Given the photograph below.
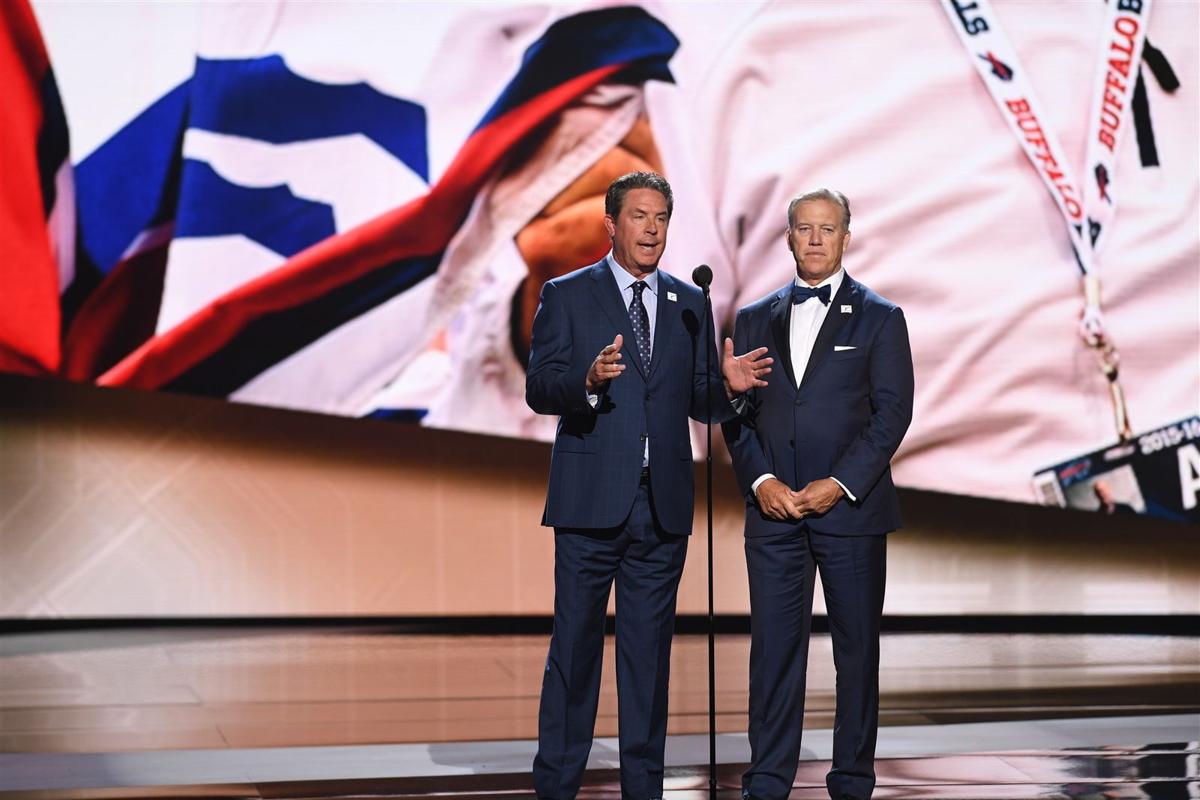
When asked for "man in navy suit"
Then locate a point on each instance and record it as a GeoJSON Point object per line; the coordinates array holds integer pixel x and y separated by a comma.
{"type": "Point", "coordinates": [618, 353]}
{"type": "Point", "coordinates": [812, 453]}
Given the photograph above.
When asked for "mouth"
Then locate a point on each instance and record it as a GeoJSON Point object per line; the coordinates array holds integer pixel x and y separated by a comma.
{"type": "Point", "coordinates": [647, 248]}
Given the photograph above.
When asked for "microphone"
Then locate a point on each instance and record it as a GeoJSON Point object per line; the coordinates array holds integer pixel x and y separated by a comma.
{"type": "Point", "coordinates": [702, 276]}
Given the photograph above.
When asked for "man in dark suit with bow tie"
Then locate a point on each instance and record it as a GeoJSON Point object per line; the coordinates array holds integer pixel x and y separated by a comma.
{"type": "Point", "coordinates": [618, 353]}
{"type": "Point", "coordinates": [812, 453]}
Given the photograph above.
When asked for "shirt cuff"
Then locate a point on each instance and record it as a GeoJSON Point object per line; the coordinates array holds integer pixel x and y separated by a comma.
{"type": "Point", "coordinates": [759, 482]}
{"type": "Point", "coordinates": [849, 493]}
{"type": "Point", "coordinates": [593, 399]}
{"type": "Point", "coordinates": [739, 403]}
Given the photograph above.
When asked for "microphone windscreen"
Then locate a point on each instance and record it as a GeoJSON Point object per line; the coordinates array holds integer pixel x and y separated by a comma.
{"type": "Point", "coordinates": [702, 275]}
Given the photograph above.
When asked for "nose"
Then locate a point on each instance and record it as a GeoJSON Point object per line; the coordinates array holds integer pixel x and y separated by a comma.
{"type": "Point", "coordinates": [814, 236]}
{"type": "Point", "coordinates": [652, 225]}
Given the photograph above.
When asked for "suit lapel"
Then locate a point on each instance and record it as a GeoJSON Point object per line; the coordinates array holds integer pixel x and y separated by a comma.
{"type": "Point", "coordinates": [781, 313]}
{"type": "Point", "coordinates": [608, 297]}
{"type": "Point", "coordinates": [664, 319]}
{"type": "Point", "coordinates": [835, 320]}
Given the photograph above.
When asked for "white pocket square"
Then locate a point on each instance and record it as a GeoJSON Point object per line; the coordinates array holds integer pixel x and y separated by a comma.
{"type": "Point", "coordinates": [837, 348]}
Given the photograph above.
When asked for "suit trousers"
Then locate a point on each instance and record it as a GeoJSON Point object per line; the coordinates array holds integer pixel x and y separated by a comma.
{"type": "Point", "coordinates": [782, 571]}
{"type": "Point", "coordinates": [646, 562]}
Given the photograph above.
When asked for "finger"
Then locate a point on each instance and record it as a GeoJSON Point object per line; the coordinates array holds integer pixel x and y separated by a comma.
{"type": "Point", "coordinates": [753, 355]}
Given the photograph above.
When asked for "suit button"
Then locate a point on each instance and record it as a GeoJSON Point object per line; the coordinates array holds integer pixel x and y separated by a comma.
{"type": "Point", "coordinates": [644, 436]}
{"type": "Point", "coordinates": [647, 397]}
{"type": "Point", "coordinates": [791, 443]}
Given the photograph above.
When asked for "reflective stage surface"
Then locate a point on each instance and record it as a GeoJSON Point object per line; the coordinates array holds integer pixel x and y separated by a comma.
{"type": "Point", "coordinates": [339, 713]}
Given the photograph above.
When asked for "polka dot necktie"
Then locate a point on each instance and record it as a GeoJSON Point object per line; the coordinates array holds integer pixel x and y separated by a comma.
{"type": "Point", "coordinates": [641, 322]}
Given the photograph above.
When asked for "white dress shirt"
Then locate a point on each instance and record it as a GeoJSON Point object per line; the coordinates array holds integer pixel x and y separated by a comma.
{"type": "Point", "coordinates": [804, 324]}
{"type": "Point", "coordinates": [625, 283]}
{"type": "Point", "coordinates": [806, 321]}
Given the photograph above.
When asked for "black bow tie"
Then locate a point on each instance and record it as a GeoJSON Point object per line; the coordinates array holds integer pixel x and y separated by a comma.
{"type": "Point", "coordinates": [802, 293]}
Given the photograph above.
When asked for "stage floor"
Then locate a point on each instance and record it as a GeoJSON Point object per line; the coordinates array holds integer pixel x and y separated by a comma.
{"type": "Point", "coordinates": [236, 712]}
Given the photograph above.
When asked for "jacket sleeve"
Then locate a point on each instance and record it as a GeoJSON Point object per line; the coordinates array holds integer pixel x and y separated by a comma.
{"type": "Point", "coordinates": [557, 376]}
{"type": "Point", "coordinates": [891, 394]}
{"type": "Point", "coordinates": [741, 434]}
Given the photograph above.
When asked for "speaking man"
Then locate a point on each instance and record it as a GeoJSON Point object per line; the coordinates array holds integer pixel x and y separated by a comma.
{"type": "Point", "coordinates": [617, 353]}
{"type": "Point", "coordinates": [811, 454]}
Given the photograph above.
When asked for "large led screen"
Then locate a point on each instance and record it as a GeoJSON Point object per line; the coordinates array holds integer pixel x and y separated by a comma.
{"type": "Point", "coordinates": [350, 208]}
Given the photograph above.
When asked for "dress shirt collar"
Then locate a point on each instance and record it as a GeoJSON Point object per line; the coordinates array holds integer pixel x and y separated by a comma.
{"type": "Point", "coordinates": [625, 280]}
{"type": "Point", "coordinates": [834, 282]}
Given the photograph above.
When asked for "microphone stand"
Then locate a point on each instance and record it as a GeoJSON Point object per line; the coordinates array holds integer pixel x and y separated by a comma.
{"type": "Point", "coordinates": [708, 501]}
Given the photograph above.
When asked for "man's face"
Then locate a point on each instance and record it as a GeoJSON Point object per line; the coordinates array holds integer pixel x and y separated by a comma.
{"type": "Point", "coordinates": [817, 239]}
{"type": "Point", "coordinates": [639, 233]}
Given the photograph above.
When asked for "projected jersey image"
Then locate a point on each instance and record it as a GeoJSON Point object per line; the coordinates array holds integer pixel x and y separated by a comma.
{"type": "Point", "coordinates": [351, 208]}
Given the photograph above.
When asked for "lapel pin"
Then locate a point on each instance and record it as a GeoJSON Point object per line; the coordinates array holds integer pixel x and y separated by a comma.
{"type": "Point", "coordinates": [672, 296]}
{"type": "Point", "coordinates": [846, 309]}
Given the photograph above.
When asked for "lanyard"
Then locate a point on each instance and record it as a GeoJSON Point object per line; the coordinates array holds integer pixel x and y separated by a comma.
{"type": "Point", "coordinates": [1087, 207]}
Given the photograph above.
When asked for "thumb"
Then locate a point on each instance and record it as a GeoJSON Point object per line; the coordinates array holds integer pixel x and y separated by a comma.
{"type": "Point", "coordinates": [618, 340]}
{"type": "Point", "coordinates": [728, 347]}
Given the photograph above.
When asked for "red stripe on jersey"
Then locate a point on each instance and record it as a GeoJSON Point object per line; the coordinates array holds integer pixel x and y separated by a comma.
{"type": "Point", "coordinates": [29, 304]}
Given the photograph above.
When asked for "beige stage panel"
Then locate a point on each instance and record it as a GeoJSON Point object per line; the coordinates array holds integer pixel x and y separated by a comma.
{"type": "Point", "coordinates": [119, 503]}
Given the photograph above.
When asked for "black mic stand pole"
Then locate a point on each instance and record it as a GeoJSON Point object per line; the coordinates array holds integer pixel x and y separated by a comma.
{"type": "Point", "coordinates": [708, 501]}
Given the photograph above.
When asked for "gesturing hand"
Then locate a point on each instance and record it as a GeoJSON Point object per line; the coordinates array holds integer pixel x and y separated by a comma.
{"type": "Point", "coordinates": [745, 372]}
{"type": "Point", "coordinates": [605, 367]}
{"type": "Point", "coordinates": [776, 501]}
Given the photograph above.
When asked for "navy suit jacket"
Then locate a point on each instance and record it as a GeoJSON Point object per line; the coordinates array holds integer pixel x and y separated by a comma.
{"type": "Point", "coordinates": [845, 420]}
{"type": "Point", "coordinates": [596, 461]}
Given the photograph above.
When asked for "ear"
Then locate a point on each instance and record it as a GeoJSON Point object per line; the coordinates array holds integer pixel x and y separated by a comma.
{"type": "Point", "coordinates": [610, 225]}
{"type": "Point", "coordinates": [846, 241]}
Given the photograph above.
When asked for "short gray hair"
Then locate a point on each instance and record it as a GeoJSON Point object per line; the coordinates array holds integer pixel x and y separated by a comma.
{"type": "Point", "coordinates": [614, 198]}
{"type": "Point", "coordinates": [830, 195]}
